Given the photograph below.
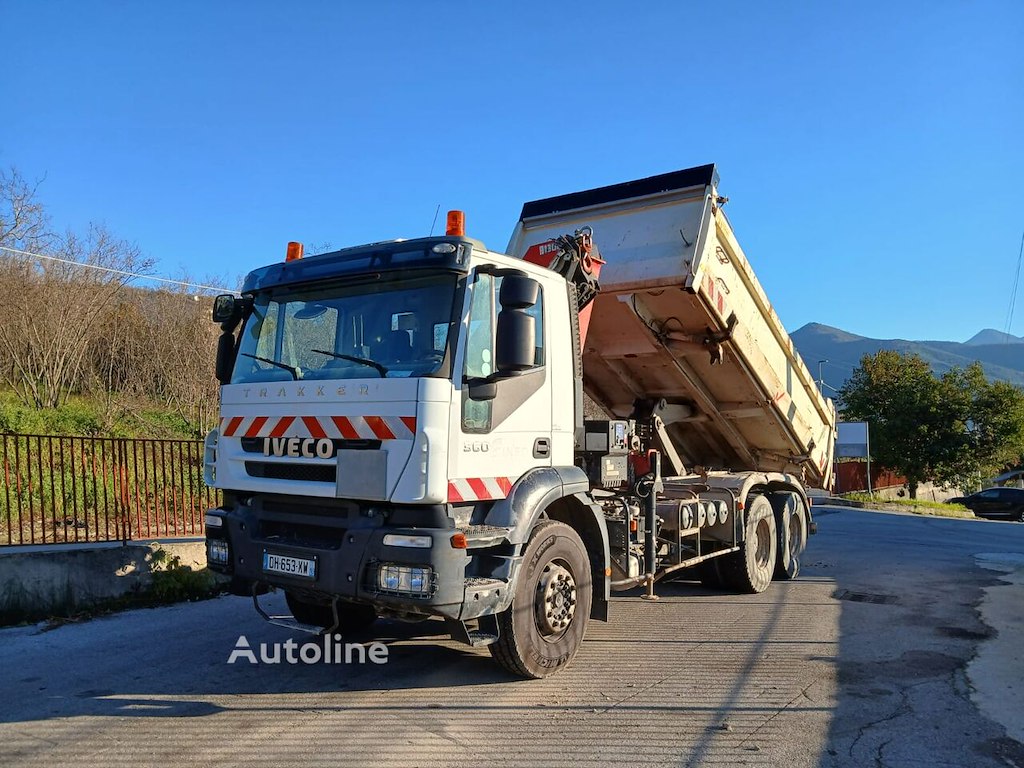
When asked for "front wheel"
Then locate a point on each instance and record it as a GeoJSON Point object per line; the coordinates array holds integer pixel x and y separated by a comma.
{"type": "Point", "coordinates": [543, 628]}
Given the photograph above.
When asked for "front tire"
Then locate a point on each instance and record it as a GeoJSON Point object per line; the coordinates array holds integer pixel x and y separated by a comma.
{"type": "Point", "coordinates": [543, 629]}
{"type": "Point", "coordinates": [750, 569]}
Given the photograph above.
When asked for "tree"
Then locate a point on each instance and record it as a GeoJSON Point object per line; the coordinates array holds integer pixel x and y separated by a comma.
{"type": "Point", "coordinates": [991, 415]}
{"type": "Point", "coordinates": [52, 306]}
{"type": "Point", "coordinates": [946, 429]}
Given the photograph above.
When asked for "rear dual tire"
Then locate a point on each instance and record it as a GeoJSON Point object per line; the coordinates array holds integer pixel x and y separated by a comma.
{"type": "Point", "coordinates": [791, 526]}
{"type": "Point", "coordinates": [752, 567]}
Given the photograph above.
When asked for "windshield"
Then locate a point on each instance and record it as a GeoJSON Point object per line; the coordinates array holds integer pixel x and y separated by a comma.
{"type": "Point", "coordinates": [391, 328]}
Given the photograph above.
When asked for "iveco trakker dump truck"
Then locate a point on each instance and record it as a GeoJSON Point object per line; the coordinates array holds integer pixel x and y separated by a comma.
{"type": "Point", "coordinates": [405, 432]}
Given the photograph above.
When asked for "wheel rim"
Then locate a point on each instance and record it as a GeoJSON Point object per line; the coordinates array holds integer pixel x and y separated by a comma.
{"type": "Point", "coordinates": [795, 535]}
{"type": "Point", "coordinates": [555, 600]}
{"type": "Point", "coordinates": [763, 550]}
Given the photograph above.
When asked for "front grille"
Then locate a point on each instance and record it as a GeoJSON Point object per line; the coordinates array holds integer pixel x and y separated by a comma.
{"type": "Point", "coordinates": [301, 535]}
{"type": "Point", "coordinates": [310, 473]}
{"type": "Point", "coordinates": [316, 507]}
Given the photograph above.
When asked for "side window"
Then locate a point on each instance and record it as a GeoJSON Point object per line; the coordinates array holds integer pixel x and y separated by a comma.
{"type": "Point", "coordinates": [476, 414]}
{"type": "Point", "coordinates": [265, 332]}
{"type": "Point", "coordinates": [483, 312]}
{"type": "Point", "coordinates": [537, 312]}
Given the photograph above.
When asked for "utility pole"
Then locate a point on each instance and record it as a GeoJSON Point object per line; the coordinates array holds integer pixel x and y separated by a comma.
{"type": "Point", "coordinates": [821, 380]}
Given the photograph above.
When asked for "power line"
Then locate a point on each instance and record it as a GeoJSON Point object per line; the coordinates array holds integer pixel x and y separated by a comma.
{"type": "Point", "coordinates": [1013, 295]}
{"type": "Point", "coordinates": [113, 271]}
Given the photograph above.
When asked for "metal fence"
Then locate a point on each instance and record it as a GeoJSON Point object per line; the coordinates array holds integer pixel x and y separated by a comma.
{"type": "Point", "coordinates": [58, 489]}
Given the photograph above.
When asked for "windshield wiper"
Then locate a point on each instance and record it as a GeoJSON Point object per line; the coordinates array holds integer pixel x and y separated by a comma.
{"type": "Point", "coordinates": [293, 370]}
{"type": "Point", "coordinates": [372, 363]}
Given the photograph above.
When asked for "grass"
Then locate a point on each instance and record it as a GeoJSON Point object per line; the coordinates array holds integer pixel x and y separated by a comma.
{"type": "Point", "coordinates": [915, 506]}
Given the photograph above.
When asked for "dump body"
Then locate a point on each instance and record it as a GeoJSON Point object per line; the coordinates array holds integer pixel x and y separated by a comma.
{"type": "Point", "coordinates": [681, 316]}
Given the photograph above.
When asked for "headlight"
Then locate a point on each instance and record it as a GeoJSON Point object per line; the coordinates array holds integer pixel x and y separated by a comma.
{"type": "Point", "coordinates": [218, 552]}
{"type": "Point", "coordinates": [408, 580]}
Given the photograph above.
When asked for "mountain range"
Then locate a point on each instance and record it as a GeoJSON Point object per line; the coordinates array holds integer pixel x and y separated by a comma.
{"type": "Point", "coordinates": [1000, 354]}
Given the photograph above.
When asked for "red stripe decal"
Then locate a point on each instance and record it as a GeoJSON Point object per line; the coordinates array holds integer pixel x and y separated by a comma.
{"type": "Point", "coordinates": [505, 484]}
{"type": "Point", "coordinates": [479, 487]}
{"type": "Point", "coordinates": [453, 493]}
{"type": "Point", "coordinates": [345, 427]}
{"type": "Point", "coordinates": [410, 423]}
{"type": "Point", "coordinates": [234, 424]}
{"type": "Point", "coordinates": [315, 430]}
{"type": "Point", "coordinates": [379, 427]}
{"type": "Point", "coordinates": [256, 426]}
{"type": "Point", "coordinates": [282, 426]}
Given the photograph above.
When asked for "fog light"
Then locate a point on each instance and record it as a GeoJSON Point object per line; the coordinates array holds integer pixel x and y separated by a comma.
{"type": "Point", "coordinates": [214, 521]}
{"type": "Point", "coordinates": [417, 581]}
{"type": "Point", "coordinates": [217, 552]}
{"type": "Point", "coordinates": [403, 540]}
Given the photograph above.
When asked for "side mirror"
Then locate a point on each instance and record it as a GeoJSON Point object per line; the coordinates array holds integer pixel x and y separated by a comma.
{"type": "Point", "coordinates": [230, 310]}
{"type": "Point", "coordinates": [516, 329]}
{"type": "Point", "coordinates": [518, 291]}
{"type": "Point", "coordinates": [224, 308]}
{"type": "Point", "coordinates": [225, 357]}
{"type": "Point", "coordinates": [482, 389]}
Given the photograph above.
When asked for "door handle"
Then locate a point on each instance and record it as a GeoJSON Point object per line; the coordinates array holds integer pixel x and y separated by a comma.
{"type": "Point", "coordinates": [541, 448]}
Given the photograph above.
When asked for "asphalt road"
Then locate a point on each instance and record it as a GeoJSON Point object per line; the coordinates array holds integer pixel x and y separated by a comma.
{"type": "Point", "coordinates": [861, 661]}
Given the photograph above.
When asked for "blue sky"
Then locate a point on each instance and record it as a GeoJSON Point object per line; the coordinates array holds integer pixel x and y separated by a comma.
{"type": "Point", "coordinates": [873, 152]}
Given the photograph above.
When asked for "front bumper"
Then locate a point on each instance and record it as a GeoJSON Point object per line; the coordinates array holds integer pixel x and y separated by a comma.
{"type": "Point", "coordinates": [347, 546]}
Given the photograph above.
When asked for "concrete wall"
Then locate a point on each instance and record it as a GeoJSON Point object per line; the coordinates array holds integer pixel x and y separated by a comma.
{"type": "Point", "coordinates": [40, 581]}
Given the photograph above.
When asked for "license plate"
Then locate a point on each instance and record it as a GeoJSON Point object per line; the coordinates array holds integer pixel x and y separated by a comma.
{"type": "Point", "coordinates": [290, 566]}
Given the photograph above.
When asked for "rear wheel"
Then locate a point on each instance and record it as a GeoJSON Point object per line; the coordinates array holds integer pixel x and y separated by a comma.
{"type": "Point", "coordinates": [791, 526]}
{"type": "Point", "coordinates": [352, 617]}
{"type": "Point", "coordinates": [543, 628]}
{"type": "Point", "coordinates": [751, 569]}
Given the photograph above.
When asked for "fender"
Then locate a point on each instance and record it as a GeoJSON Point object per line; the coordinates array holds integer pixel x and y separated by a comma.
{"type": "Point", "coordinates": [532, 496]}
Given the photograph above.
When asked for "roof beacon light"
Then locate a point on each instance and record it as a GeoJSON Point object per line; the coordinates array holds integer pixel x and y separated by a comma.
{"type": "Point", "coordinates": [294, 251]}
{"type": "Point", "coordinates": [456, 224]}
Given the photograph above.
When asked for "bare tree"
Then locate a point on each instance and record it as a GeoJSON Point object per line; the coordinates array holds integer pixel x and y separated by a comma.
{"type": "Point", "coordinates": [24, 224]}
{"type": "Point", "coordinates": [182, 349]}
{"type": "Point", "coordinates": [52, 307]}
{"type": "Point", "coordinates": [71, 323]}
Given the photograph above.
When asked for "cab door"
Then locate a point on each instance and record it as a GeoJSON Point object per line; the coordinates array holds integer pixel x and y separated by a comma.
{"type": "Point", "coordinates": [495, 441]}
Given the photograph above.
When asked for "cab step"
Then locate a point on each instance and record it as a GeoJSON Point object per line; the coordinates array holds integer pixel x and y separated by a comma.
{"type": "Point", "coordinates": [288, 622]}
{"type": "Point", "coordinates": [484, 633]}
